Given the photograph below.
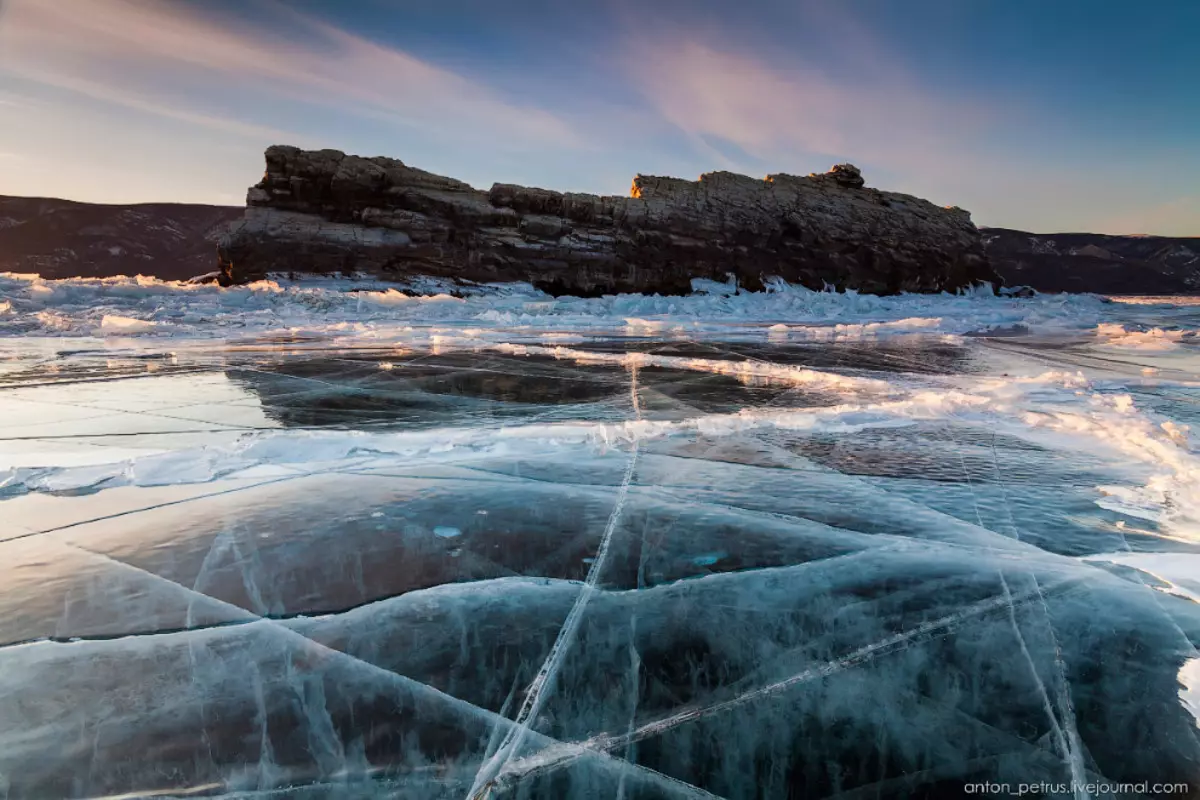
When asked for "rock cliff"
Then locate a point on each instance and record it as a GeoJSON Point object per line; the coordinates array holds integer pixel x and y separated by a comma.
{"type": "Point", "coordinates": [327, 212]}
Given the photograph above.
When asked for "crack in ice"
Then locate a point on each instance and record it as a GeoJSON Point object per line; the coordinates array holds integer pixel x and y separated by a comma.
{"type": "Point", "coordinates": [535, 697]}
{"type": "Point", "coordinates": [561, 754]}
{"type": "Point", "coordinates": [662, 781]}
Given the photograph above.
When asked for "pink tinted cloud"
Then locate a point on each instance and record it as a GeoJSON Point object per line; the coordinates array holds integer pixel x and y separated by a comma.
{"type": "Point", "coordinates": [151, 49]}
{"type": "Point", "coordinates": [800, 111]}
{"type": "Point", "coordinates": [789, 111]}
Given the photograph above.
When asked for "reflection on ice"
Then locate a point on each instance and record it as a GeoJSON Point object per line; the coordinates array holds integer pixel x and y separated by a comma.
{"type": "Point", "coordinates": [865, 564]}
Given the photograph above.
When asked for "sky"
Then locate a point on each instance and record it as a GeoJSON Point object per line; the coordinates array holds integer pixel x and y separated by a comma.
{"type": "Point", "coordinates": [1071, 115]}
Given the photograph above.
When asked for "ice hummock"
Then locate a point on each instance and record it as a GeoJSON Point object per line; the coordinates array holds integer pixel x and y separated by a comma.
{"type": "Point", "coordinates": [149, 307]}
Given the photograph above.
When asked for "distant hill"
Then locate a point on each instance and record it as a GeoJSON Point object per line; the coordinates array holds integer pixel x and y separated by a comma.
{"type": "Point", "coordinates": [61, 238]}
{"type": "Point", "coordinates": [1095, 262]}
{"type": "Point", "coordinates": [176, 241]}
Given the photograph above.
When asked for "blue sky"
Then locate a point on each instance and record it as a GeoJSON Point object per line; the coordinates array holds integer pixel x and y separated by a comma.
{"type": "Point", "coordinates": [1047, 116]}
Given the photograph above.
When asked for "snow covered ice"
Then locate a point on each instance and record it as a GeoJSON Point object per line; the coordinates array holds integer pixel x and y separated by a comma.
{"type": "Point", "coordinates": [325, 539]}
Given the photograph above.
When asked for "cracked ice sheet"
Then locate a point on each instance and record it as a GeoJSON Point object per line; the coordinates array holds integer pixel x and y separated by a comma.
{"type": "Point", "coordinates": [270, 603]}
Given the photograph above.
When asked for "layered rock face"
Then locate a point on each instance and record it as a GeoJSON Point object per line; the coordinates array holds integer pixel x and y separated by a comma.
{"type": "Point", "coordinates": [326, 212]}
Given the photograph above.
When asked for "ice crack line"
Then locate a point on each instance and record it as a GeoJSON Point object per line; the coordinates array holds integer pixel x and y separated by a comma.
{"type": "Point", "coordinates": [452, 703]}
{"type": "Point", "coordinates": [560, 754]}
{"type": "Point", "coordinates": [1068, 740]}
{"type": "Point", "coordinates": [1069, 754]}
{"type": "Point", "coordinates": [535, 697]}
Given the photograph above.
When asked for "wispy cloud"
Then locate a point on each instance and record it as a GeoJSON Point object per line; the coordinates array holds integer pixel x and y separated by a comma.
{"type": "Point", "coordinates": [179, 112]}
{"type": "Point", "coordinates": [790, 110]}
{"type": "Point", "coordinates": [748, 104]}
{"type": "Point", "coordinates": [10, 99]}
{"type": "Point", "coordinates": [792, 86]}
{"type": "Point", "coordinates": [181, 64]}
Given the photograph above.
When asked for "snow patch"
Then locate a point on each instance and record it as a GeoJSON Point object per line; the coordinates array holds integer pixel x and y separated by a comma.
{"type": "Point", "coordinates": [1119, 337]}
{"type": "Point", "coordinates": [1189, 693]}
{"type": "Point", "coordinates": [852, 331]}
{"type": "Point", "coordinates": [113, 325]}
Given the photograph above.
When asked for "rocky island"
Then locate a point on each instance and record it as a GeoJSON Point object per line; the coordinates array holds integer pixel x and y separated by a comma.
{"type": "Point", "coordinates": [327, 212]}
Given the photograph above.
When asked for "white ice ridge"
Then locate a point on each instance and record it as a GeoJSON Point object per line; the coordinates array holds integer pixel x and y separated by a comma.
{"type": "Point", "coordinates": [79, 306]}
{"type": "Point", "coordinates": [856, 330]}
{"type": "Point", "coordinates": [315, 450]}
{"type": "Point", "coordinates": [111, 324]}
{"type": "Point", "coordinates": [1114, 336]}
{"type": "Point", "coordinates": [1110, 422]}
{"type": "Point", "coordinates": [745, 370]}
{"type": "Point", "coordinates": [1056, 408]}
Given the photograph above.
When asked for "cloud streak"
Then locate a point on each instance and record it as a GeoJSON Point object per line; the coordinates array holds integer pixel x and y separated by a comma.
{"type": "Point", "coordinates": [743, 101]}
{"type": "Point", "coordinates": [777, 85]}
{"type": "Point", "coordinates": [796, 112]}
{"type": "Point", "coordinates": [182, 64]}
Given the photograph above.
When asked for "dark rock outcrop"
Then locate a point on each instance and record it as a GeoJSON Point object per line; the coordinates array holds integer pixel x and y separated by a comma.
{"type": "Point", "coordinates": [62, 239]}
{"type": "Point", "coordinates": [1095, 262]}
{"type": "Point", "coordinates": [327, 212]}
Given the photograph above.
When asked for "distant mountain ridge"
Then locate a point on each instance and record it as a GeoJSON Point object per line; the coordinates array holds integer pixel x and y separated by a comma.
{"type": "Point", "coordinates": [177, 241]}
{"type": "Point", "coordinates": [63, 238]}
{"type": "Point", "coordinates": [1095, 262]}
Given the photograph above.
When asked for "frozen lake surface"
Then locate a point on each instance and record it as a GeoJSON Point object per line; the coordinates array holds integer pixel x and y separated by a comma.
{"type": "Point", "coordinates": [327, 540]}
